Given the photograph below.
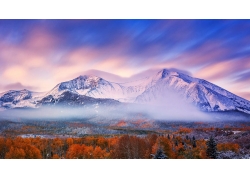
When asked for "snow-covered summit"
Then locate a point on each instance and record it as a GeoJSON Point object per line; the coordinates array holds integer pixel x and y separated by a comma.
{"type": "Point", "coordinates": [80, 85]}
{"type": "Point", "coordinates": [201, 93]}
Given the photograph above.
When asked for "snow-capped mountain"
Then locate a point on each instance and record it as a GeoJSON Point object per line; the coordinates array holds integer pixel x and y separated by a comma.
{"type": "Point", "coordinates": [203, 94]}
{"type": "Point", "coordinates": [162, 87]}
{"type": "Point", "coordinates": [97, 87]}
{"type": "Point", "coordinates": [22, 98]}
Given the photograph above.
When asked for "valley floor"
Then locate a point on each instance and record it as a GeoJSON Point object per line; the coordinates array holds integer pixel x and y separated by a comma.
{"type": "Point", "coordinates": [140, 139]}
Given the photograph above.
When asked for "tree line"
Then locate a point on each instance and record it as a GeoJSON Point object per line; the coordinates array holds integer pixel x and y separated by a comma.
{"type": "Point", "coordinates": [116, 147]}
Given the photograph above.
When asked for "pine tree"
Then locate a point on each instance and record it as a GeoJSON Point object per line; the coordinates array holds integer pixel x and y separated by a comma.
{"type": "Point", "coordinates": [168, 136]}
{"type": "Point", "coordinates": [176, 143]}
{"type": "Point", "coordinates": [193, 138]}
{"type": "Point", "coordinates": [160, 154]}
{"type": "Point", "coordinates": [194, 144]}
{"type": "Point", "coordinates": [211, 148]}
{"type": "Point", "coordinates": [186, 137]}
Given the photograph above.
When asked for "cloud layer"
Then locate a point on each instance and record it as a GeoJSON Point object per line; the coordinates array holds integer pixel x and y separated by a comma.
{"type": "Point", "coordinates": [38, 54]}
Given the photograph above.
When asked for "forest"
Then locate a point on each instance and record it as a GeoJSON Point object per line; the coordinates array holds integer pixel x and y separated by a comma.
{"type": "Point", "coordinates": [81, 140]}
{"type": "Point", "coordinates": [114, 147]}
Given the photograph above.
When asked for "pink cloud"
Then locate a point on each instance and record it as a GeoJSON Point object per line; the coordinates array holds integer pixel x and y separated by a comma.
{"type": "Point", "coordinates": [15, 73]}
{"type": "Point", "coordinates": [209, 53]}
{"type": "Point", "coordinates": [80, 55]}
{"type": "Point", "coordinates": [41, 41]}
{"type": "Point", "coordinates": [223, 69]}
{"type": "Point", "coordinates": [16, 86]}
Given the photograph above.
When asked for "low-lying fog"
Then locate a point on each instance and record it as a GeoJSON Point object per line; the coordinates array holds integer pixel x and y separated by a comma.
{"type": "Point", "coordinates": [170, 108]}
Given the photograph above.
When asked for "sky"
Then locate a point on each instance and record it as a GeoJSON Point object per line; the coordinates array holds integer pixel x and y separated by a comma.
{"type": "Point", "coordinates": [38, 54]}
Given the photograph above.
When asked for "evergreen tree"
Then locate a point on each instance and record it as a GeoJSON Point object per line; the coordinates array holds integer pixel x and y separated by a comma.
{"type": "Point", "coordinates": [168, 136]}
{"type": "Point", "coordinates": [186, 137]}
{"type": "Point", "coordinates": [160, 154]}
{"type": "Point", "coordinates": [176, 143]}
{"type": "Point", "coordinates": [211, 148]}
{"type": "Point", "coordinates": [185, 146]}
{"type": "Point", "coordinates": [193, 138]}
{"type": "Point", "coordinates": [194, 144]}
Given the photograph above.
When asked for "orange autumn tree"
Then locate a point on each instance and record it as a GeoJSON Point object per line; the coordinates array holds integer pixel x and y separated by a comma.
{"type": "Point", "coordinates": [31, 152]}
{"type": "Point", "coordinates": [102, 142]}
{"type": "Point", "coordinates": [184, 130]}
{"type": "Point", "coordinates": [154, 148]}
{"type": "Point", "coordinates": [112, 143]}
{"type": "Point", "coordinates": [15, 153]}
{"type": "Point", "coordinates": [88, 152]}
{"type": "Point", "coordinates": [228, 147]}
{"type": "Point", "coordinates": [57, 146]}
{"type": "Point", "coordinates": [55, 156]}
{"type": "Point", "coordinates": [41, 144]}
{"type": "Point", "coordinates": [75, 152]}
{"type": "Point", "coordinates": [69, 141]}
{"type": "Point", "coordinates": [152, 145]}
{"type": "Point", "coordinates": [22, 148]}
{"type": "Point", "coordinates": [130, 147]}
{"type": "Point", "coordinates": [200, 151]}
{"type": "Point", "coordinates": [99, 153]}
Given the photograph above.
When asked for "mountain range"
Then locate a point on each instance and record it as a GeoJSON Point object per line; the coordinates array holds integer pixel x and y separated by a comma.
{"type": "Point", "coordinates": [165, 87]}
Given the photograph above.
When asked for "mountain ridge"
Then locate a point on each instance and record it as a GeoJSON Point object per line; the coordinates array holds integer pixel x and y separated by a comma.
{"type": "Point", "coordinates": [202, 94]}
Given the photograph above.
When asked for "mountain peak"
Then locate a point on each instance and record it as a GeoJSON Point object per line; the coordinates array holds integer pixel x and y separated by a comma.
{"type": "Point", "coordinates": [85, 77]}
{"type": "Point", "coordinates": [81, 82]}
{"type": "Point", "coordinates": [24, 90]}
{"type": "Point", "coordinates": [166, 72]}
